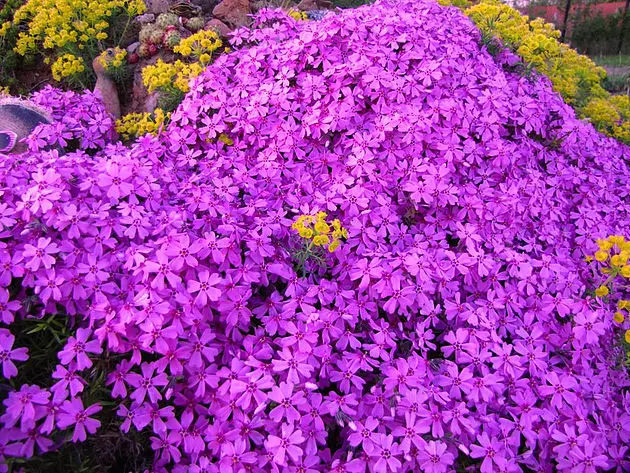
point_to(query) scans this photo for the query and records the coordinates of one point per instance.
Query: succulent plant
(156, 36)
(195, 24)
(167, 19)
(149, 32)
(171, 38)
(144, 50)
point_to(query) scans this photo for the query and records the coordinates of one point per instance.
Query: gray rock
(133, 47)
(145, 18)
(157, 6)
(18, 118)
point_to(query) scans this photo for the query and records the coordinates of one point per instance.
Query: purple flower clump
(452, 329)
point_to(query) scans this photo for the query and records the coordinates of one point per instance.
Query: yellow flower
(627, 336)
(321, 240)
(306, 232)
(625, 271)
(200, 45)
(322, 227)
(602, 291)
(622, 304)
(226, 139)
(139, 124)
(66, 66)
(601, 256)
(334, 245)
(619, 318)
(112, 59)
(617, 260)
(616, 239)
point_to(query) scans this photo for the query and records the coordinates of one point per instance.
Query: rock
(157, 6)
(133, 47)
(18, 118)
(235, 13)
(308, 5)
(219, 27)
(145, 18)
(142, 100)
(106, 87)
(206, 5)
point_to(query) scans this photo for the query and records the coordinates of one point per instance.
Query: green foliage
(109, 450)
(594, 34)
(350, 3)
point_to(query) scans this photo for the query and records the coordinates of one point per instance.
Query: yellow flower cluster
(66, 66)
(610, 115)
(166, 76)
(319, 232)
(298, 15)
(134, 125)
(613, 254)
(55, 24)
(200, 46)
(4, 28)
(574, 76)
(113, 59)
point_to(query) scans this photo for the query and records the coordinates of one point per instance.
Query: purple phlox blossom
(288, 401)
(74, 414)
(77, 349)
(285, 445)
(147, 383)
(8, 354)
(40, 255)
(7, 308)
(386, 453)
(23, 405)
(492, 452)
(434, 457)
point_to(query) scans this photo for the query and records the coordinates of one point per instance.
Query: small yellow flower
(623, 304)
(602, 291)
(306, 232)
(601, 256)
(334, 245)
(322, 227)
(321, 240)
(619, 318)
(625, 271)
(627, 336)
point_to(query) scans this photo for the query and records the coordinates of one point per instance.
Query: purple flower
(40, 255)
(434, 458)
(8, 354)
(286, 444)
(287, 402)
(73, 413)
(78, 347)
(147, 383)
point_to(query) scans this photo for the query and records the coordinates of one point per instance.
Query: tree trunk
(563, 31)
(623, 26)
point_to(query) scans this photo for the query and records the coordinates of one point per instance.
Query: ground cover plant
(575, 76)
(389, 263)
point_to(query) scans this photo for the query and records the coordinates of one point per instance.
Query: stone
(308, 5)
(219, 27)
(18, 118)
(157, 6)
(133, 47)
(106, 88)
(145, 18)
(235, 13)
(206, 5)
